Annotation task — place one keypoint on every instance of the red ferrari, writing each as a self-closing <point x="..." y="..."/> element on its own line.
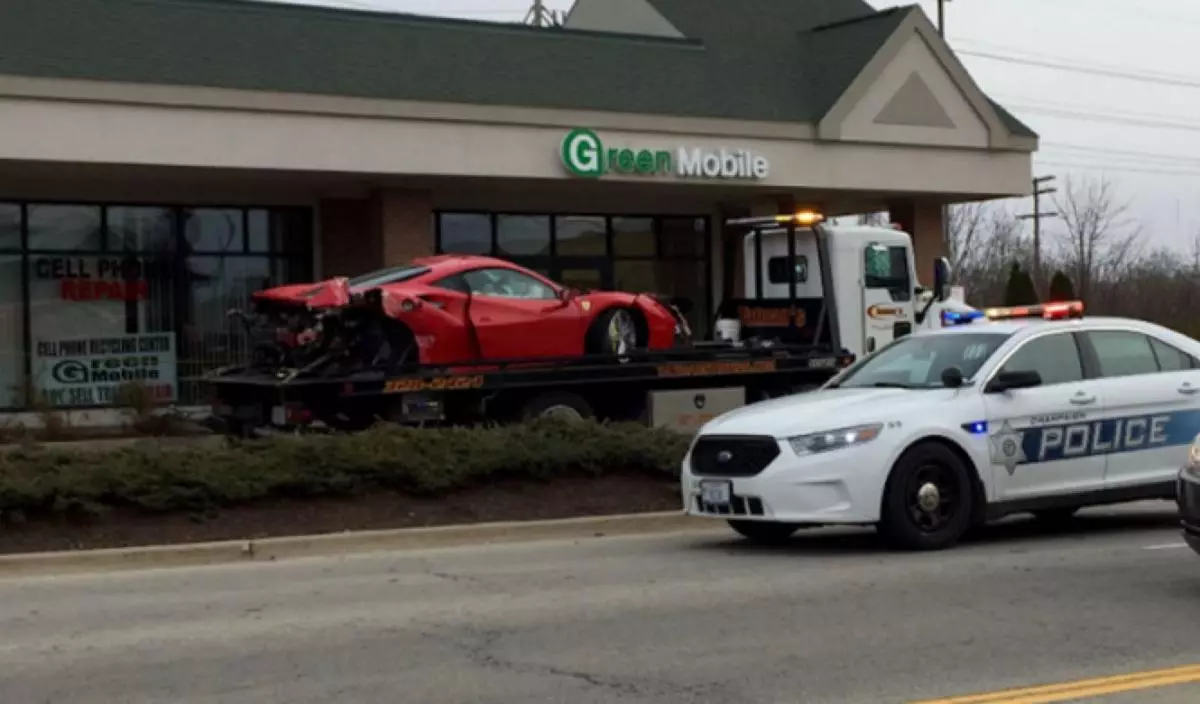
<point x="453" y="309"/>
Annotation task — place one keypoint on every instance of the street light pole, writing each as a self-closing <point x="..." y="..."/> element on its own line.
<point x="941" y="28"/>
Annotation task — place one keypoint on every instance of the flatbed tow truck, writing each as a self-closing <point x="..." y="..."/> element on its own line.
<point x="784" y="344"/>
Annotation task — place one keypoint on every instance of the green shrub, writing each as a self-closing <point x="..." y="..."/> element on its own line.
<point x="427" y="462"/>
<point x="1019" y="291"/>
<point x="1061" y="288"/>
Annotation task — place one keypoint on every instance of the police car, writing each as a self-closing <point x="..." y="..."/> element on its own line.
<point x="1021" y="409"/>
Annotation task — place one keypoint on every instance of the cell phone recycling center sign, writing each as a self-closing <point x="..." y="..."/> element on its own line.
<point x="585" y="154"/>
<point x="90" y="371"/>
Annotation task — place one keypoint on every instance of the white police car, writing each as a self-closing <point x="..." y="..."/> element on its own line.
<point x="1001" y="411"/>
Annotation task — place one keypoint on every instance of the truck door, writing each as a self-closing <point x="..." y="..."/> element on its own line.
<point x="887" y="294"/>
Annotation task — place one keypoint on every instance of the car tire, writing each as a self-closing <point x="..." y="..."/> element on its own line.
<point x="614" y="332"/>
<point x="557" y="404"/>
<point x="1056" y="516"/>
<point x="928" y="502"/>
<point x="764" y="532"/>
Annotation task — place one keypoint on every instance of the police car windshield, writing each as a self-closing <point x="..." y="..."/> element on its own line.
<point x="917" y="362"/>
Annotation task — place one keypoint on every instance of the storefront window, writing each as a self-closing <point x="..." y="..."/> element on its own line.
<point x="213" y="230"/>
<point x="465" y="233"/>
<point x="683" y="237"/>
<point x="64" y="227"/>
<point x="633" y="237"/>
<point x="581" y="235"/>
<point x="134" y="294"/>
<point x="10" y="226"/>
<point x="12" y="333"/>
<point x="522" y="235"/>
<point x="140" y="229"/>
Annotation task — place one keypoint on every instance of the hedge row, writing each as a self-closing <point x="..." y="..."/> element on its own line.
<point x="425" y="462"/>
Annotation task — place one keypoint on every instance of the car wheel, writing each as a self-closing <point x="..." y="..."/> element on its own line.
<point x="765" y="532"/>
<point x="614" y="332"/>
<point x="928" y="500"/>
<point x="561" y="405"/>
<point x="1056" y="516"/>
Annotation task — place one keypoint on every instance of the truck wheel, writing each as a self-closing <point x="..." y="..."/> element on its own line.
<point x="928" y="499"/>
<point x="557" y="404"/>
<point x="764" y="532"/>
<point x="615" y="332"/>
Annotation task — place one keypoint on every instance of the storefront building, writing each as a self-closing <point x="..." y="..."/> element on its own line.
<point x="161" y="161"/>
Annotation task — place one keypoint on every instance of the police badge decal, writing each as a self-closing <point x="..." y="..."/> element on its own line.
<point x="1008" y="448"/>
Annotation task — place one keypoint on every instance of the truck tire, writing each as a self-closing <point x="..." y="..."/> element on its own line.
<point x="928" y="500"/>
<point x="557" y="404"/>
<point x="764" y="532"/>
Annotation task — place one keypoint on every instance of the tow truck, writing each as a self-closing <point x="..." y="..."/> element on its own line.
<point x="793" y="334"/>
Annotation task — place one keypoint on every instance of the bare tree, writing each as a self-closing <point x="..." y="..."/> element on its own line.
<point x="1098" y="238"/>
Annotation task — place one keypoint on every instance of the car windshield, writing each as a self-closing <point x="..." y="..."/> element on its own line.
<point x="917" y="362"/>
<point x="391" y="275"/>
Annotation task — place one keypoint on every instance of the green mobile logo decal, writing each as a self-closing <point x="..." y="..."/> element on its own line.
<point x="584" y="154"/>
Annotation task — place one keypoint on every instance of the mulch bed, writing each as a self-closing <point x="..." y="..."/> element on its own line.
<point x="564" y="497"/>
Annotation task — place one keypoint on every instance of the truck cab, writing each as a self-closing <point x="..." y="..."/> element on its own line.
<point x="872" y="273"/>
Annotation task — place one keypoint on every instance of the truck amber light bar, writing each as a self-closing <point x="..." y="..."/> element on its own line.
<point x="1049" y="311"/>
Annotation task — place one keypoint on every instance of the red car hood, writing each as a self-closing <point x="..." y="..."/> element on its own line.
<point x="325" y="294"/>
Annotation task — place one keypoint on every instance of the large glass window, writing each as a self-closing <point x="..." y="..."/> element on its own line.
<point x="580" y="236"/>
<point x="10" y="226"/>
<point x="12" y="333"/>
<point x="522" y="235"/>
<point x="120" y="294"/>
<point x="634" y="237"/>
<point x="465" y="233"/>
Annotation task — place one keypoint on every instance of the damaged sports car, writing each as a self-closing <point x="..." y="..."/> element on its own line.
<point x="449" y="310"/>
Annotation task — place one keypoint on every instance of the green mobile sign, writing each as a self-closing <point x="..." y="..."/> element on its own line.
<point x="585" y="155"/>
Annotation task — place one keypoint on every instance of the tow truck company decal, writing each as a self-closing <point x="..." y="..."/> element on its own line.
<point x="585" y="154"/>
<point x="439" y="383"/>
<point x="770" y="317"/>
<point x="881" y="311"/>
<point x="709" y="368"/>
<point x="1012" y="447"/>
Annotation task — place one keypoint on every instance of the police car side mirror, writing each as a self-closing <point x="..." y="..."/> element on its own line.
<point x="952" y="377"/>
<point x="1006" y="381"/>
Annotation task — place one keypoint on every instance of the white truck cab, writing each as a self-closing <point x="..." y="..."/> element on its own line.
<point x="877" y="297"/>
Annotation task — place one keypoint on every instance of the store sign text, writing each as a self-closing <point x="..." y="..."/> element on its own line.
<point x="584" y="154"/>
<point x="97" y="279"/>
<point x="90" y="371"/>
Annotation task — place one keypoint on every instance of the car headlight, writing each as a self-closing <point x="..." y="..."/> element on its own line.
<point x="1193" y="460"/>
<point x="834" y="439"/>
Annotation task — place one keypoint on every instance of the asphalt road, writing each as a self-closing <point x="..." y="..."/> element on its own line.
<point x="693" y="617"/>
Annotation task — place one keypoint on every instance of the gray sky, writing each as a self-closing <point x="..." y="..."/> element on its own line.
<point x="1090" y="120"/>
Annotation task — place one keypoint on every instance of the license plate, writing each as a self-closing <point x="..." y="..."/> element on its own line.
<point x="279" y="415"/>
<point x="716" y="493"/>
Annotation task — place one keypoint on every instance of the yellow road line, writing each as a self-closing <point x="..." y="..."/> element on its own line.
<point x="1066" y="691"/>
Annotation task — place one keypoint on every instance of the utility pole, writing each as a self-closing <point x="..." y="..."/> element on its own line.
<point x="1036" y="216"/>
<point x="941" y="28"/>
<point x="539" y="16"/>
<point x="942" y="17"/>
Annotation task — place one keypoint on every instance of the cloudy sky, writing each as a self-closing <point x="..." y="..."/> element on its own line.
<point x="1106" y="83"/>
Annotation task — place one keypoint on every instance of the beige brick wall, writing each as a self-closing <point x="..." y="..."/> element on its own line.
<point x="923" y="220"/>
<point x="359" y="235"/>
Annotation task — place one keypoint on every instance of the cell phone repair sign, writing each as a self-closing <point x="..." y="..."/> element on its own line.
<point x="91" y="371"/>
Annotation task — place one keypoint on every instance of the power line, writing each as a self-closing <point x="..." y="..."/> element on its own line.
<point x="1137" y="121"/>
<point x="1186" y="160"/>
<point x="1105" y="72"/>
<point x="1119" y="168"/>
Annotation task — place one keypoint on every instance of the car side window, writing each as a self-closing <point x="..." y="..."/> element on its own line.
<point x="453" y="283"/>
<point x="1054" y="357"/>
<point x="1123" y="353"/>
<point x="506" y="283"/>
<point x="1171" y="359"/>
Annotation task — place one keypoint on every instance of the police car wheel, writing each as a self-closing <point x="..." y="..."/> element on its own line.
<point x="765" y="532"/>
<point x="928" y="500"/>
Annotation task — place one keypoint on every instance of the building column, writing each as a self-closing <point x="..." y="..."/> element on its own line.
<point x="390" y="227"/>
<point x="923" y="221"/>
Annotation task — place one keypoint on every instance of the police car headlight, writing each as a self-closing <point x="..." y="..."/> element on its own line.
<point x="834" y="439"/>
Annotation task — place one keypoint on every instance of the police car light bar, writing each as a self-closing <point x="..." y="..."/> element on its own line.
<point x="1049" y="311"/>
<point x="951" y="318"/>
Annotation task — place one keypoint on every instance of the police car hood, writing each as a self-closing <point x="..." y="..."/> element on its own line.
<point x="816" y="411"/>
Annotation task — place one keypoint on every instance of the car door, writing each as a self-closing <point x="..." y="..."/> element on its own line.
<point x="887" y="295"/>
<point x="1039" y="436"/>
<point x="518" y="316"/>
<point x="1150" y="399"/>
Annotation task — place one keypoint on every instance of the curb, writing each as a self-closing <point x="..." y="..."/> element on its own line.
<point x="271" y="549"/>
